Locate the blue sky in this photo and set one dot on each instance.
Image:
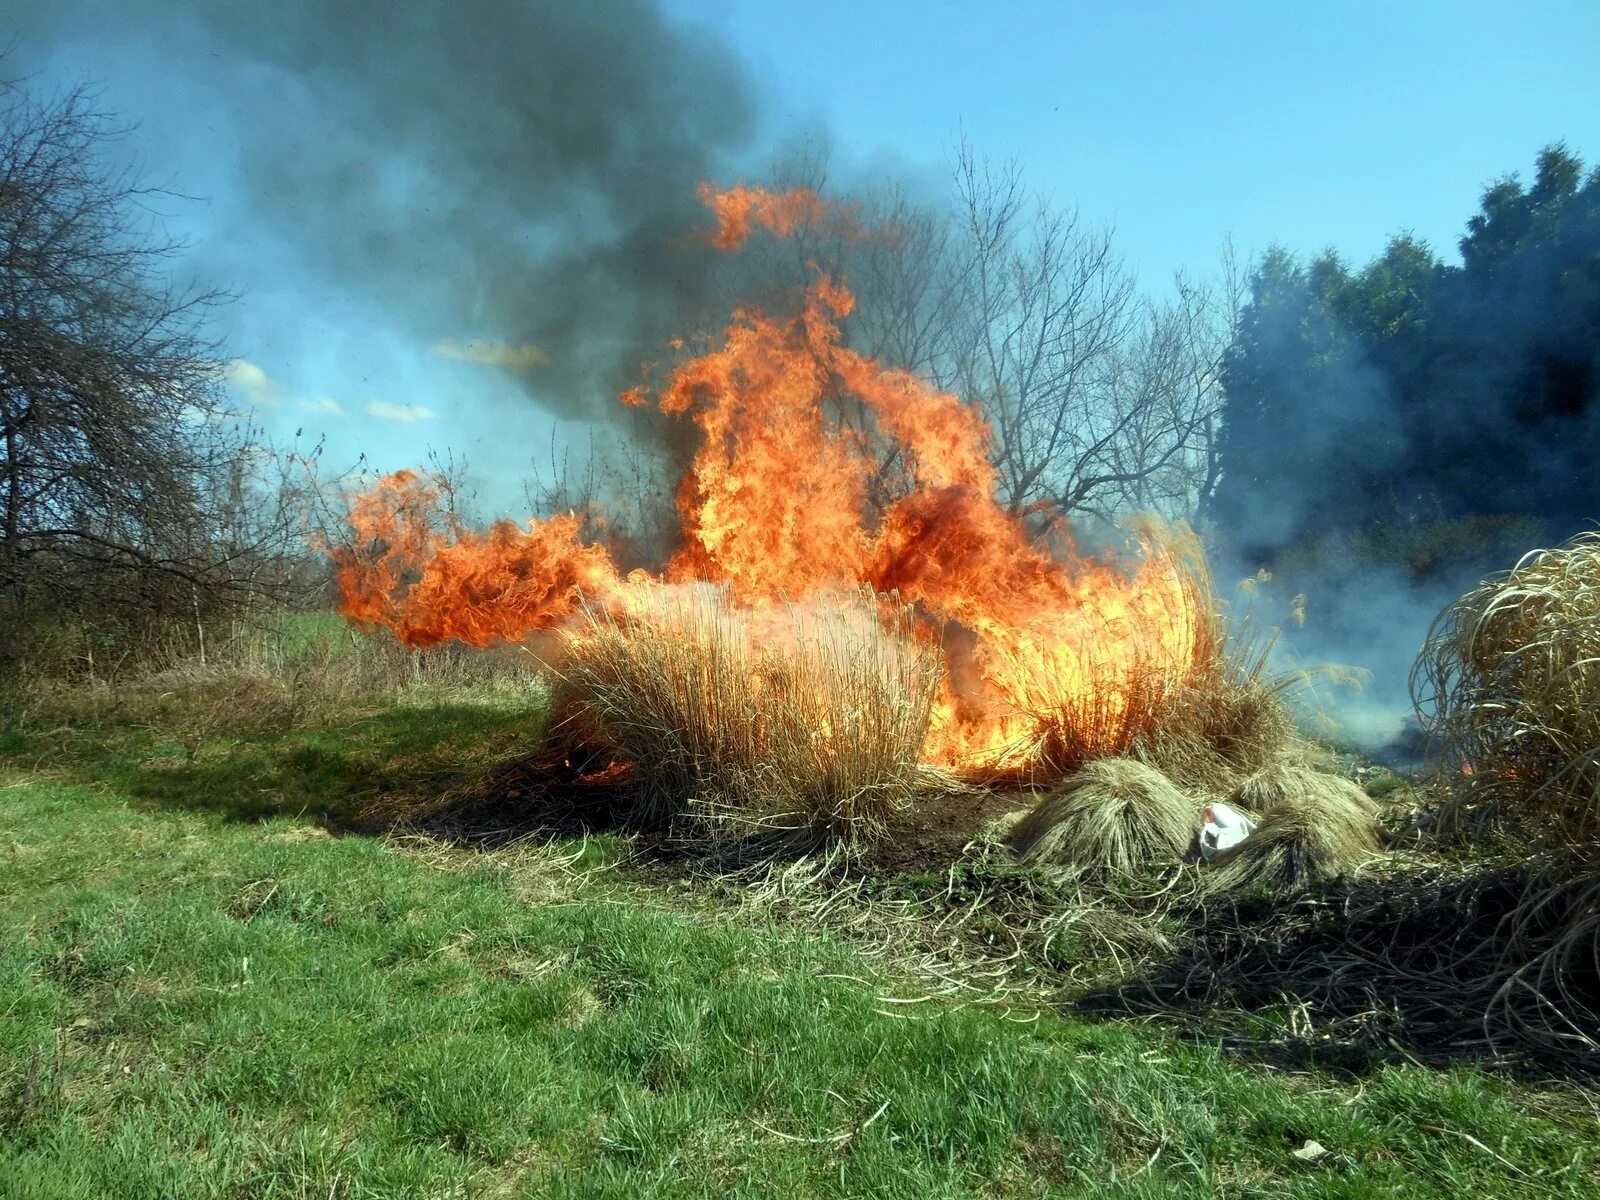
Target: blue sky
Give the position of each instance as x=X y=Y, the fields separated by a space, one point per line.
x=1182 y=124
x=1337 y=123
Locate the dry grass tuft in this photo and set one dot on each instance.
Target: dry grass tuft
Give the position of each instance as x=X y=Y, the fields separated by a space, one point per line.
x=1128 y=674
x=1113 y=816
x=1206 y=720
x=1226 y=724
x=798 y=720
x=1509 y=682
x=1312 y=832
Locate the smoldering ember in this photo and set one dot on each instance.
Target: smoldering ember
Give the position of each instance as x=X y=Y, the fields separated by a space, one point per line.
x=677 y=599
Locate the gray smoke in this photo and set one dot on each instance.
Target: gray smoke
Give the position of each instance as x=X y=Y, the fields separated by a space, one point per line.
x=517 y=172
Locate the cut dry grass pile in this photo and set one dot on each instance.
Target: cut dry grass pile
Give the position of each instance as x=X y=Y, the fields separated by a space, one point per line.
x=1500 y=944
x=1296 y=846
x=1509 y=682
x=1441 y=961
x=1287 y=787
x=1313 y=827
x=804 y=720
x=1113 y=816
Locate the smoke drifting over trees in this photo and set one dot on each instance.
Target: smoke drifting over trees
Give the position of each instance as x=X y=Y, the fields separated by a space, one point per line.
x=1412 y=392
x=1393 y=432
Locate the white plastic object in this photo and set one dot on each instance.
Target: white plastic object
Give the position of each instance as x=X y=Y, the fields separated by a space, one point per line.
x=1224 y=826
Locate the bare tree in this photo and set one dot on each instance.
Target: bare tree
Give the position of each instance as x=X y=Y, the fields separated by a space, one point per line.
x=1048 y=308
x=1166 y=398
x=1215 y=329
x=123 y=479
x=1102 y=402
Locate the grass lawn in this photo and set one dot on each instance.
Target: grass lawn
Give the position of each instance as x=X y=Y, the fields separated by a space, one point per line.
x=203 y=993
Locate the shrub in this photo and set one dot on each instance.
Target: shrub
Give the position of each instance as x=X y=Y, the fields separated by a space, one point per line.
x=1509 y=688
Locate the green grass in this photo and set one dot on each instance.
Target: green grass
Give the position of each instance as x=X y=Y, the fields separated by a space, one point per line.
x=203 y=994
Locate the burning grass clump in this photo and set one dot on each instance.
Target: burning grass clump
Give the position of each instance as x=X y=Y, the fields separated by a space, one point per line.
x=1114 y=816
x=1111 y=677
x=1186 y=700
x=789 y=720
x=1224 y=717
x=1509 y=684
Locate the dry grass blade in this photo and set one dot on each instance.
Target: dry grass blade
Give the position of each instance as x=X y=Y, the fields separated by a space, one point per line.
x=1509 y=682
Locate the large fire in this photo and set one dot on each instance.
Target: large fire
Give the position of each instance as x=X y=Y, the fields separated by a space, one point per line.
x=777 y=506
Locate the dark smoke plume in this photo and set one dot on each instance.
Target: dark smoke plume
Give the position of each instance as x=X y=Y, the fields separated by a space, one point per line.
x=512 y=180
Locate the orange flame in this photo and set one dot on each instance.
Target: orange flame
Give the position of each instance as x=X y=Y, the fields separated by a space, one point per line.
x=431 y=584
x=775 y=505
x=740 y=209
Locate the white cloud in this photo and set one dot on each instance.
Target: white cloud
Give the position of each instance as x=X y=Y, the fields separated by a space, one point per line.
x=254 y=384
x=406 y=413
x=261 y=390
x=509 y=355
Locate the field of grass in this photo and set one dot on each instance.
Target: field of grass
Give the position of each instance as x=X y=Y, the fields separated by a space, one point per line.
x=211 y=986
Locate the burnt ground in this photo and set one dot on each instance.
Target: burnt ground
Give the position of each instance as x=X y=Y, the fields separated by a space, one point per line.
x=934 y=834
x=554 y=794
